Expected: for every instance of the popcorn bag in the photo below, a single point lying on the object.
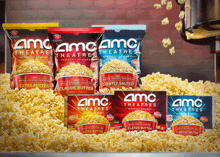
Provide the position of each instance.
(32, 57)
(89, 114)
(191, 115)
(120, 56)
(140, 110)
(76, 58)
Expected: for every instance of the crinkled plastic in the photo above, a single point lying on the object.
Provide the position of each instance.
(32, 57)
(121, 43)
(76, 58)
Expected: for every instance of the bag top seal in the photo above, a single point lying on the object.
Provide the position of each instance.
(122, 27)
(30, 26)
(76, 30)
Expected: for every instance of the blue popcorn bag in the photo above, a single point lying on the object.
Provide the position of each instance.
(120, 56)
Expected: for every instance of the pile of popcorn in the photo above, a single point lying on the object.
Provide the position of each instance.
(76, 69)
(183, 120)
(33, 66)
(117, 66)
(92, 118)
(32, 121)
(139, 115)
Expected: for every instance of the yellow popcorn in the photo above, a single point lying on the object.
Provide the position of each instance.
(172, 50)
(179, 25)
(139, 115)
(169, 5)
(181, 1)
(182, 14)
(92, 118)
(166, 42)
(163, 2)
(165, 21)
(32, 66)
(75, 69)
(117, 66)
(72, 117)
(157, 6)
(187, 120)
(187, 7)
(32, 121)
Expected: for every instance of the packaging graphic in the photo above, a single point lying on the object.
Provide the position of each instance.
(89, 113)
(76, 58)
(120, 55)
(190, 115)
(32, 57)
(140, 110)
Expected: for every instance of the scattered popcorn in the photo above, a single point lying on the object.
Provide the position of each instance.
(179, 25)
(166, 42)
(187, 7)
(172, 50)
(182, 14)
(163, 2)
(165, 21)
(157, 6)
(169, 5)
(32, 121)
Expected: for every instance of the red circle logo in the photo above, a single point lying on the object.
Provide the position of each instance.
(157, 114)
(203, 119)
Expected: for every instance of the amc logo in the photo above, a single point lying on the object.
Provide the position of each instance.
(57, 36)
(14, 32)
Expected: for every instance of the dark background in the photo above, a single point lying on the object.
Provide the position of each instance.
(190, 61)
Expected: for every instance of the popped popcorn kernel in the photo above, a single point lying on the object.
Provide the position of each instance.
(166, 42)
(187, 7)
(179, 25)
(172, 50)
(165, 21)
(169, 5)
(157, 6)
(182, 14)
(181, 1)
(163, 2)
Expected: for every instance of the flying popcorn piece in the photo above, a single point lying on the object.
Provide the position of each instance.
(157, 6)
(172, 50)
(182, 14)
(179, 25)
(165, 21)
(181, 1)
(169, 5)
(166, 42)
(187, 7)
(163, 2)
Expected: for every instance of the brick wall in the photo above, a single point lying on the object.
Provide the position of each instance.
(190, 61)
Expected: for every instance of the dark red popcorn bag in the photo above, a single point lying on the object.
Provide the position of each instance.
(76, 58)
(140, 110)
